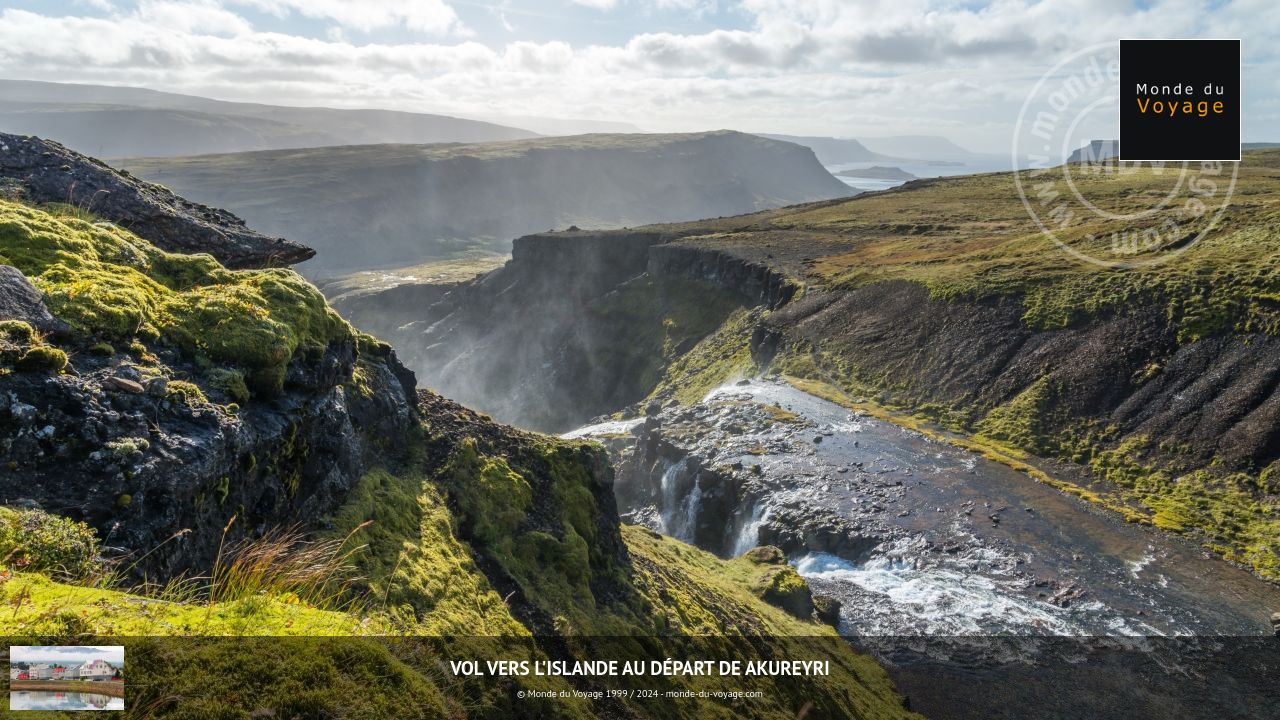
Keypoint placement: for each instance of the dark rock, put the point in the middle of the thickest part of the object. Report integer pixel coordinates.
(150, 211)
(157, 386)
(827, 609)
(20, 300)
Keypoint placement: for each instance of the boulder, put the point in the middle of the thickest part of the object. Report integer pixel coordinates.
(20, 300)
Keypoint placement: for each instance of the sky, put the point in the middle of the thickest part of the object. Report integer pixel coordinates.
(67, 653)
(808, 67)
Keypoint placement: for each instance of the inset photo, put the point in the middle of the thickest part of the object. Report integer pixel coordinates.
(66, 677)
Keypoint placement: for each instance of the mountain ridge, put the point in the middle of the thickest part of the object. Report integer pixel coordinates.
(411, 203)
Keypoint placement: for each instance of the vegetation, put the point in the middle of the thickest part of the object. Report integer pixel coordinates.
(649, 324)
(39, 542)
(967, 239)
(422, 551)
(42, 358)
(716, 359)
(112, 286)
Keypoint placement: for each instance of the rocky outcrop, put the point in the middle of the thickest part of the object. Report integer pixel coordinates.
(157, 397)
(577, 324)
(761, 284)
(20, 300)
(42, 171)
(139, 457)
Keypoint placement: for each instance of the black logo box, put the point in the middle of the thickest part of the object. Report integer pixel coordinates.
(1180, 65)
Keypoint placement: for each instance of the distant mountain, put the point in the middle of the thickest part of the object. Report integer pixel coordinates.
(878, 172)
(563, 126)
(831, 151)
(108, 121)
(920, 147)
(1096, 151)
(380, 206)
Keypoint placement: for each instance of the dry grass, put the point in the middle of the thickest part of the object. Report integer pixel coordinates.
(284, 563)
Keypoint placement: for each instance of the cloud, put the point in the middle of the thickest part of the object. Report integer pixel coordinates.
(800, 66)
(426, 16)
(597, 4)
(192, 16)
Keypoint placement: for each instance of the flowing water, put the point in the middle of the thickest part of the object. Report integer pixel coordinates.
(983, 592)
(964, 546)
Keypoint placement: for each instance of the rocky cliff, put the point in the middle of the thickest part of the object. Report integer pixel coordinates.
(148, 393)
(1151, 391)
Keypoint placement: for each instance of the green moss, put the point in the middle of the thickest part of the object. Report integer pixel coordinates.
(37, 541)
(414, 565)
(783, 587)
(1023, 420)
(110, 612)
(231, 382)
(128, 447)
(18, 331)
(719, 357)
(102, 349)
(111, 285)
(370, 345)
(185, 392)
(42, 358)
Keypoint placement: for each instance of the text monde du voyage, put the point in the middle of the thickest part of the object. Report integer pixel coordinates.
(1181, 99)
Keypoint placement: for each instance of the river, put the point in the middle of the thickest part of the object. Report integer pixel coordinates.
(938, 555)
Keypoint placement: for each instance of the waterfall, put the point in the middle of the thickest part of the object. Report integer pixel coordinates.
(689, 526)
(670, 492)
(749, 534)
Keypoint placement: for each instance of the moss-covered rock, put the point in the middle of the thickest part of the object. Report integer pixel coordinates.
(42, 358)
(112, 286)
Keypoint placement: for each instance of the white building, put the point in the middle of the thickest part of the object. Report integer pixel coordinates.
(14, 673)
(41, 671)
(97, 670)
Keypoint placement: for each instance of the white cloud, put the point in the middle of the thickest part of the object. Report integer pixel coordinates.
(426, 16)
(597, 4)
(800, 66)
(192, 16)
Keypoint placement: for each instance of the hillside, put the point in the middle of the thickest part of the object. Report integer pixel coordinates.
(1150, 391)
(365, 207)
(108, 121)
(198, 451)
(831, 151)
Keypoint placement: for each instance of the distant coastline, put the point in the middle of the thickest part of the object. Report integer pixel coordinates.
(878, 172)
